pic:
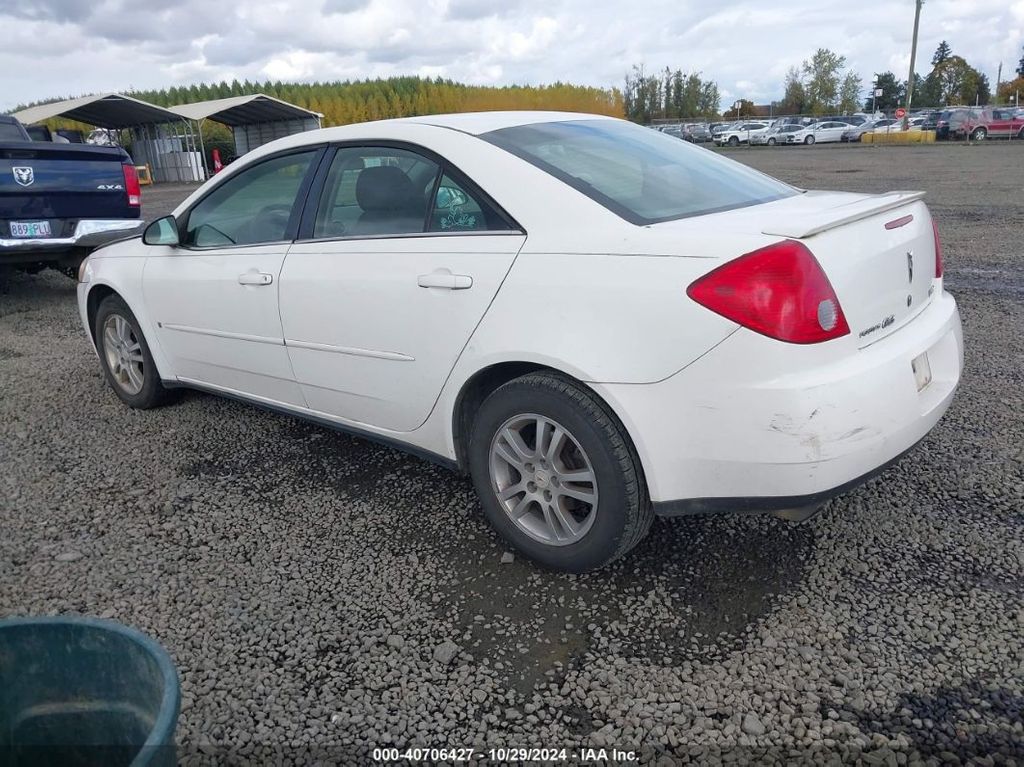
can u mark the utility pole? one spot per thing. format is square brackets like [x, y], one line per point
[999, 80]
[913, 58]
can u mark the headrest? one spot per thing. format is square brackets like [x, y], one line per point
[384, 187]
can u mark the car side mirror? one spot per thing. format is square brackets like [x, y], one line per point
[163, 231]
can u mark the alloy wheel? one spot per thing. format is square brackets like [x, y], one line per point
[123, 354]
[543, 479]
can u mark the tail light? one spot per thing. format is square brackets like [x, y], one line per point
[779, 291]
[938, 250]
[131, 185]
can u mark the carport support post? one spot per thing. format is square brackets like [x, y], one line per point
[202, 149]
[913, 58]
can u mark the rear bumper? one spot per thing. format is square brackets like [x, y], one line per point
[759, 425]
[88, 233]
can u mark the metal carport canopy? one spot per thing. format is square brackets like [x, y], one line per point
[244, 110]
[109, 110]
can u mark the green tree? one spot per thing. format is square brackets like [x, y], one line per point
[893, 92]
[943, 52]
[957, 82]
[849, 93]
[822, 80]
[795, 98]
[1020, 66]
[668, 94]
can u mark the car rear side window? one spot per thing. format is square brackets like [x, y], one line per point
[375, 191]
[460, 208]
[641, 175]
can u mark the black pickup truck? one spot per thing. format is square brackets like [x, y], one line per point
[59, 201]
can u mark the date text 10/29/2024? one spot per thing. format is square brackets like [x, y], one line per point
[504, 755]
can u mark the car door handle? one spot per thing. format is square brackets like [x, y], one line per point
[445, 280]
[255, 278]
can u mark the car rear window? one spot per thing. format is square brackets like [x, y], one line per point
[641, 175]
[10, 132]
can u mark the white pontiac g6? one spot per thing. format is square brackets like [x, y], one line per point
[597, 322]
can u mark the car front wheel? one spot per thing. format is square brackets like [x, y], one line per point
[771, 142]
[733, 141]
[809, 140]
[556, 474]
[125, 357]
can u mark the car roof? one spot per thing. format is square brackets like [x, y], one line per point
[484, 122]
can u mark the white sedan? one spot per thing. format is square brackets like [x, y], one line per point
[598, 322]
[819, 133]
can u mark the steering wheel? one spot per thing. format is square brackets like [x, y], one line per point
[269, 224]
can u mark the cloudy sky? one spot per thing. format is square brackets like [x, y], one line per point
[68, 47]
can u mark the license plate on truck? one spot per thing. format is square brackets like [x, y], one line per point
[922, 370]
[30, 229]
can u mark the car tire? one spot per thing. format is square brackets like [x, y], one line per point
[570, 525]
[733, 141]
[1020, 134]
[125, 357]
[979, 134]
[771, 141]
[809, 140]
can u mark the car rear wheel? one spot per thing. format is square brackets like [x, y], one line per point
[124, 356]
[556, 474]
[809, 140]
[979, 134]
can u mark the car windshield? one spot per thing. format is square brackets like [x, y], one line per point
[641, 175]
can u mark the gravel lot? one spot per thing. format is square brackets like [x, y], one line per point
[322, 595]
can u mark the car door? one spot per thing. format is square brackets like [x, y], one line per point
[214, 297]
[831, 131]
[999, 124]
[395, 266]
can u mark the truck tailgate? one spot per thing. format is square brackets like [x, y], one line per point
[62, 181]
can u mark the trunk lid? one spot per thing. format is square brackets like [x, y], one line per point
[878, 251]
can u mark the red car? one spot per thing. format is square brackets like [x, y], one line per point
[979, 124]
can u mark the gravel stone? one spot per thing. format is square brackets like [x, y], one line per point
[445, 652]
[305, 581]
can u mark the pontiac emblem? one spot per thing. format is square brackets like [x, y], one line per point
[24, 175]
[910, 266]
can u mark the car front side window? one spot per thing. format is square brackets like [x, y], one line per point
[252, 207]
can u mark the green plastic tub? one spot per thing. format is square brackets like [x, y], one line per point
[79, 692]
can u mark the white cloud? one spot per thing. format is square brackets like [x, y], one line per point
[68, 47]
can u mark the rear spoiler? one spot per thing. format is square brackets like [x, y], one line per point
[805, 225]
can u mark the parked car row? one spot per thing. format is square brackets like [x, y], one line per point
[975, 123]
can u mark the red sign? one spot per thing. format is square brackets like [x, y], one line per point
[901, 113]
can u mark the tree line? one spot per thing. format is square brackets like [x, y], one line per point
[668, 94]
[346, 102]
[951, 81]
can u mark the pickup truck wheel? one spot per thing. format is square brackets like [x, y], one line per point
[556, 474]
[124, 356]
